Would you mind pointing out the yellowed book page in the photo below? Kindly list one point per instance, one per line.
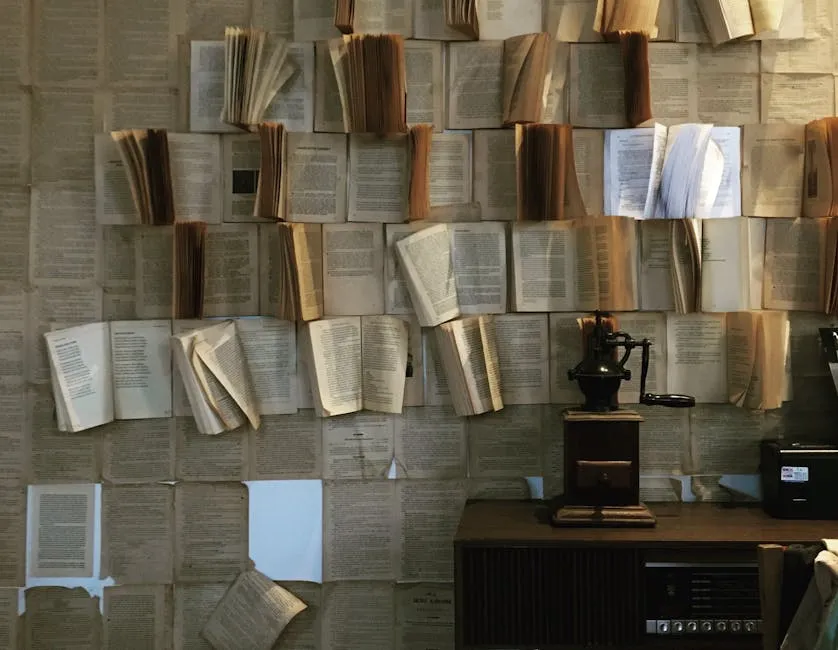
(431, 443)
(499, 19)
(396, 293)
(9, 619)
(336, 369)
(353, 269)
(796, 98)
(766, 14)
(65, 42)
(384, 359)
(378, 179)
(516, 50)
(524, 368)
(795, 252)
(201, 457)
(818, 175)
(193, 606)
(287, 447)
(450, 174)
(617, 263)
(13, 538)
(495, 186)
(728, 99)
(488, 337)
(772, 170)
(308, 256)
(424, 616)
(597, 82)
(667, 21)
(62, 511)
(770, 371)
(468, 342)
(359, 614)
(328, 112)
(506, 444)
(741, 354)
(638, 16)
(138, 615)
(652, 326)
(423, 63)
(673, 72)
(812, 54)
(475, 81)
(697, 356)
(690, 27)
(665, 440)
(316, 177)
(588, 154)
(726, 19)
(357, 446)
(571, 21)
(429, 22)
(60, 617)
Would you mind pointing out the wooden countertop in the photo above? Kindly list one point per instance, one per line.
(693, 524)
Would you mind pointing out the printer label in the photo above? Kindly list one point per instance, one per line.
(794, 474)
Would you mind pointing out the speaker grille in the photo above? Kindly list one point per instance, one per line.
(531, 596)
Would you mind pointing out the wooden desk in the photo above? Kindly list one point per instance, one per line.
(521, 583)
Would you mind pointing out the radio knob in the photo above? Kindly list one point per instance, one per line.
(663, 627)
(677, 627)
(736, 626)
(692, 627)
(750, 627)
(706, 626)
(721, 626)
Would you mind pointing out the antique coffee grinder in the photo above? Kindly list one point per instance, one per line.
(601, 440)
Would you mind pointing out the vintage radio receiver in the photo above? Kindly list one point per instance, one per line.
(698, 599)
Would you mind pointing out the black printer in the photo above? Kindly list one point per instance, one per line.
(799, 480)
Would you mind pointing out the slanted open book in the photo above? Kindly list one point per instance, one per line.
(820, 196)
(462, 16)
(271, 186)
(548, 187)
(469, 357)
(145, 158)
(451, 269)
(105, 371)
(188, 265)
(527, 71)
(727, 20)
(613, 16)
(256, 66)
(357, 362)
(213, 367)
(295, 276)
(371, 80)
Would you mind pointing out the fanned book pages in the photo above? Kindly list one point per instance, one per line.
(188, 266)
(357, 362)
(727, 20)
(685, 264)
(469, 356)
(615, 16)
(820, 196)
(216, 378)
(548, 187)
(271, 186)
(256, 67)
(370, 73)
(145, 158)
(527, 69)
(297, 270)
(634, 48)
(345, 16)
(461, 15)
(106, 371)
(419, 194)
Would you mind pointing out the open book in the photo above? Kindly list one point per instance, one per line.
(820, 197)
(469, 356)
(614, 16)
(419, 193)
(145, 158)
(548, 187)
(461, 15)
(271, 186)
(727, 20)
(188, 279)
(757, 350)
(105, 371)
(357, 362)
(217, 380)
(256, 66)
(527, 70)
(296, 270)
(451, 269)
(370, 73)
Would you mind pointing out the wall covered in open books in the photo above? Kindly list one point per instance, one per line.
(354, 514)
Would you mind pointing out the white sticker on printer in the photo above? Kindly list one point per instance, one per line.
(794, 474)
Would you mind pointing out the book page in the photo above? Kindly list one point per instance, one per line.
(795, 262)
(81, 358)
(725, 439)
(656, 290)
(506, 444)
(270, 348)
(196, 176)
(725, 264)
(544, 266)
(142, 369)
(429, 22)
(9, 619)
(154, 272)
(120, 289)
(336, 369)
(524, 368)
(142, 51)
(205, 18)
(644, 325)
(378, 178)
(210, 549)
(137, 614)
(201, 457)
(293, 105)
(396, 293)
(495, 174)
(194, 604)
(430, 443)
(328, 114)
(358, 615)
(450, 173)
(424, 74)
(15, 205)
(728, 99)
(436, 383)
(384, 342)
(555, 105)
(253, 612)
(616, 263)
(478, 251)
(475, 85)
(588, 149)
(206, 87)
(664, 445)
(65, 40)
(13, 542)
(316, 177)
(62, 134)
(154, 108)
(137, 533)
(287, 447)
(241, 158)
(314, 20)
(114, 201)
(772, 169)
(59, 617)
(414, 389)
(303, 632)
(796, 98)
(597, 86)
(357, 446)
(353, 273)
(673, 72)
(812, 54)
(471, 348)
(742, 333)
(424, 616)
(428, 516)
(231, 270)
(188, 396)
(61, 531)
(566, 351)
(138, 451)
(571, 21)
(359, 530)
(500, 19)
(696, 356)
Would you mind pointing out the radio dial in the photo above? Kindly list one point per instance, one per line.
(663, 627)
(750, 627)
(736, 626)
(692, 627)
(678, 627)
(706, 626)
(721, 626)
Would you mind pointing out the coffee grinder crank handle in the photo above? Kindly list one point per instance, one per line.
(651, 399)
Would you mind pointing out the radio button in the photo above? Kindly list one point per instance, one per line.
(677, 627)
(692, 627)
(750, 627)
(706, 626)
(721, 626)
(663, 627)
(736, 626)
